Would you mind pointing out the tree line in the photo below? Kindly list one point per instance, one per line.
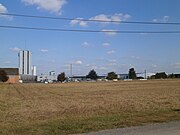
(93, 75)
(112, 75)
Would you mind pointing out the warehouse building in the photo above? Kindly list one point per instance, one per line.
(12, 73)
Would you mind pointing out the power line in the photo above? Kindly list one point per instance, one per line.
(91, 20)
(89, 31)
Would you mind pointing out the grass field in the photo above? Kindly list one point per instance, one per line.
(50, 109)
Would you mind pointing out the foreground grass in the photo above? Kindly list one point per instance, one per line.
(82, 107)
(71, 125)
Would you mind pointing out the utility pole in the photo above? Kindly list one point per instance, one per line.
(25, 45)
(71, 71)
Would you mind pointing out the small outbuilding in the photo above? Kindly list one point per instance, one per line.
(12, 73)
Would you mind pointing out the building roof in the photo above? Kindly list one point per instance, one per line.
(11, 71)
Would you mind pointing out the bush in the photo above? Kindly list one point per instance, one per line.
(61, 77)
(161, 75)
(111, 76)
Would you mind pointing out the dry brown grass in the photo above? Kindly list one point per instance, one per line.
(82, 107)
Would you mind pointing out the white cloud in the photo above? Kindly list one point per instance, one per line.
(88, 65)
(116, 17)
(111, 52)
(110, 32)
(15, 49)
(78, 62)
(52, 61)
(66, 65)
(154, 65)
(164, 19)
(120, 17)
(83, 23)
(94, 67)
(54, 6)
(155, 20)
(3, 9)
(7, 62)
(143, 33)
(112, 64)
(100, 59)
(106, 44)
(86, 45)
(134, 57)
(177, 65)
(44, 50)
(102, 68)
(112, 61)
(132, 66)
(79, 22)
(102, 17)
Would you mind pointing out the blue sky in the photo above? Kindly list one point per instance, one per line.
(103, 52)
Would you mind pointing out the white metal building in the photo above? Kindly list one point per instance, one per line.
(47, 78)
(25, 63)
(34, 70)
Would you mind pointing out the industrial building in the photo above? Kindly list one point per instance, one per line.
(26, 70)
(51, 77)
(25, 63)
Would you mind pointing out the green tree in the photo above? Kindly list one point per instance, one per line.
(171, 76)
(3, 76)
(161, 75)
(92, 75)
(152, 77)
(132, 73)
(111, 76)
(61, 77)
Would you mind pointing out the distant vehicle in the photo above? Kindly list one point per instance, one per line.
(88, 79)
(50, 81)
(115, 80)
(20, 81)
(106, 80)
(99, 79)
(127, 79)
(143, 79)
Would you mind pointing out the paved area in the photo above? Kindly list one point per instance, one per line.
(171, 128)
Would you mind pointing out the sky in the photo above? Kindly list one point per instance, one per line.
(103, 51)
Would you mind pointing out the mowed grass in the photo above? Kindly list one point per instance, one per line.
(55, 109)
